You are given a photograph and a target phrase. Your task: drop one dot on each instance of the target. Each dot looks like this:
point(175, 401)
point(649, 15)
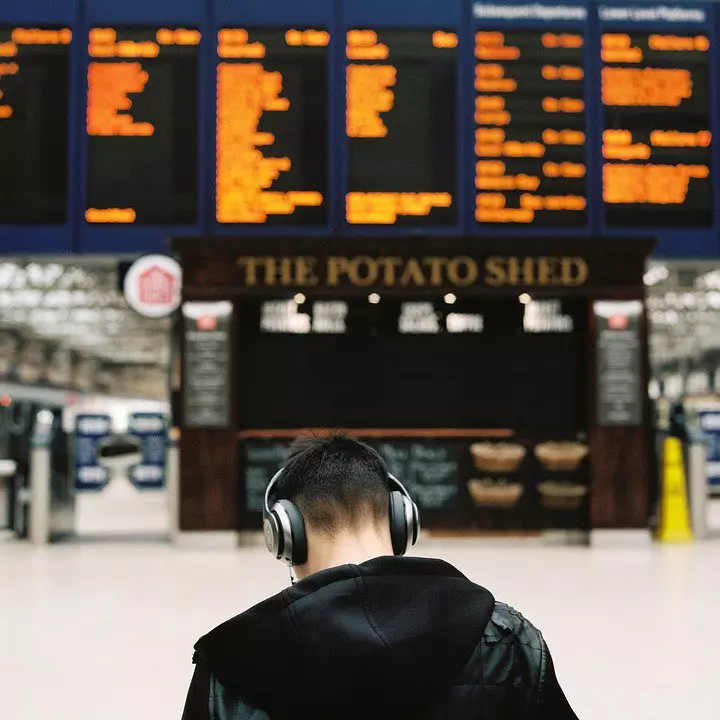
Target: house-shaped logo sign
point(156, 286)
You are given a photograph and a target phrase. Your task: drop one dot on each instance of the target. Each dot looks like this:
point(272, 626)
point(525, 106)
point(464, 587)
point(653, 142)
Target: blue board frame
point(76, 236)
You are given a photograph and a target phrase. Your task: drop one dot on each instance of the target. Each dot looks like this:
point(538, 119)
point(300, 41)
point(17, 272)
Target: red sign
point(156, 286)
point(153, 284)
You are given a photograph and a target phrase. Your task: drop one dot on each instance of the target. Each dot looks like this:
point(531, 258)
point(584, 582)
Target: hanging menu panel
point(206, 371)
point(618, 357)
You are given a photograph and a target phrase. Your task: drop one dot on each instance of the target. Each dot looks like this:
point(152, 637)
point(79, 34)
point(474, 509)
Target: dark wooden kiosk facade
point(503, 380)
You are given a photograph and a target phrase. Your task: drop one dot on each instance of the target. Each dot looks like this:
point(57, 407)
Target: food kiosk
point(503, 380)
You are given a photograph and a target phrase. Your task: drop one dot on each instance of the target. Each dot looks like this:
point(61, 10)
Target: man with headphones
point(366, 632)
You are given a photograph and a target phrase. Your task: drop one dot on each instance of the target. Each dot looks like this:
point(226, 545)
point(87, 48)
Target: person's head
point(341, 487)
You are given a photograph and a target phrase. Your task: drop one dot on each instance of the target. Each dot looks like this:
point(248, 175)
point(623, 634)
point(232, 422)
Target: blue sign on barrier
point(710, 423)
point(151, 429)
point(90, 430)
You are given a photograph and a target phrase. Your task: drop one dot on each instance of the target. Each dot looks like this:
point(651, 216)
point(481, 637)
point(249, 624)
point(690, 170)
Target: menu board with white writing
point(207, 364)
point(262, 459)
point(427, 468)
point(619, 399)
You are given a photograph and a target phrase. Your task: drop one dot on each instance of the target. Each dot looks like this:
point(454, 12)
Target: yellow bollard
point(674, 510)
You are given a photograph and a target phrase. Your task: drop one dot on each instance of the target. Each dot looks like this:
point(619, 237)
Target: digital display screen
point(530, 128)
point(272, 126)
point(34, 105)
point(142, 126)
point(401, 127)
point(657, 156)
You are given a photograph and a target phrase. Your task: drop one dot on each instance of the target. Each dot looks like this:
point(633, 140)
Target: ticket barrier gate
point(15, 419)
point(7, 482)
point(45, 503)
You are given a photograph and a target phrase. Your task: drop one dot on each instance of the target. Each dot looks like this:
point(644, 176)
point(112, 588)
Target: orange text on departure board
point(11, 48)
point(675, 43)
point(307, 38)
point(368, 90)
point(110, 85)
point(653, 184)
point(104, 43)
point(561, 40)
point(646, 87)
point(244, 174)
point(364, 45)
point(236, 43)
point(383, 208)
point(368, 96)
point(110, 215)
point(41, 36)
point(491, 46)
point(6, 111)
point(12, 68)
point(618, 48)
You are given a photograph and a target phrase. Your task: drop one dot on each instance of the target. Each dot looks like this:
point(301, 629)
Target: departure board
point(657, 157)
point(34, 102)
point(401, 129)
point(142, 126)
point(530, 128)
point(272, 126)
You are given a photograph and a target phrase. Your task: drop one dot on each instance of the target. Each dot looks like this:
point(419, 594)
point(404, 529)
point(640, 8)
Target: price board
point(142, 126)
point(34, 127)
point(401, 127)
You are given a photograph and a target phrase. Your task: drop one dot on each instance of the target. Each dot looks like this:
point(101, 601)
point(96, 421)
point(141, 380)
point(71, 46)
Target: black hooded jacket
point(391, 638)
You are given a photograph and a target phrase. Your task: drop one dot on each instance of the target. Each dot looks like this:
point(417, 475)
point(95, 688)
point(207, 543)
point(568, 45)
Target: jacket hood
point(389, 633)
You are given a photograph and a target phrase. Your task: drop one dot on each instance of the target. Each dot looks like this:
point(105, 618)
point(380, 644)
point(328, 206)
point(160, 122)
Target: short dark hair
point(336, 481)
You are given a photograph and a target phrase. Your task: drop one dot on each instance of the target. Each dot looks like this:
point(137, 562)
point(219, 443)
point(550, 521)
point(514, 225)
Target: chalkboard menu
point(618, 362)
point(427, 468)
point(492, 485)
point(206, 378)
point(262, 459)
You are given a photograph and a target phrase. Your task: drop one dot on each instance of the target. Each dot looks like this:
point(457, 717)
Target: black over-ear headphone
point(284, 527)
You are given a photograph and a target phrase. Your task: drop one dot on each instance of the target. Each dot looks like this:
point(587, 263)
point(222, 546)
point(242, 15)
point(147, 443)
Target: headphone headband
point(276, 477)
point(284, 527)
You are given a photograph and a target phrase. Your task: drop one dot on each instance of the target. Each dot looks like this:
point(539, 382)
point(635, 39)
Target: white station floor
point(92, 631)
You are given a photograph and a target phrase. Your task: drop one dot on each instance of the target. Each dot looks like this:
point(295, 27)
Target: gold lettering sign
point(364, 271)
point(535, 271)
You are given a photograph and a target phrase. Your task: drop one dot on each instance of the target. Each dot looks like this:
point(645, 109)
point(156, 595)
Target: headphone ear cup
point(294, 551)
point(415, 523)
point(398, 523)
point(273, 535)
